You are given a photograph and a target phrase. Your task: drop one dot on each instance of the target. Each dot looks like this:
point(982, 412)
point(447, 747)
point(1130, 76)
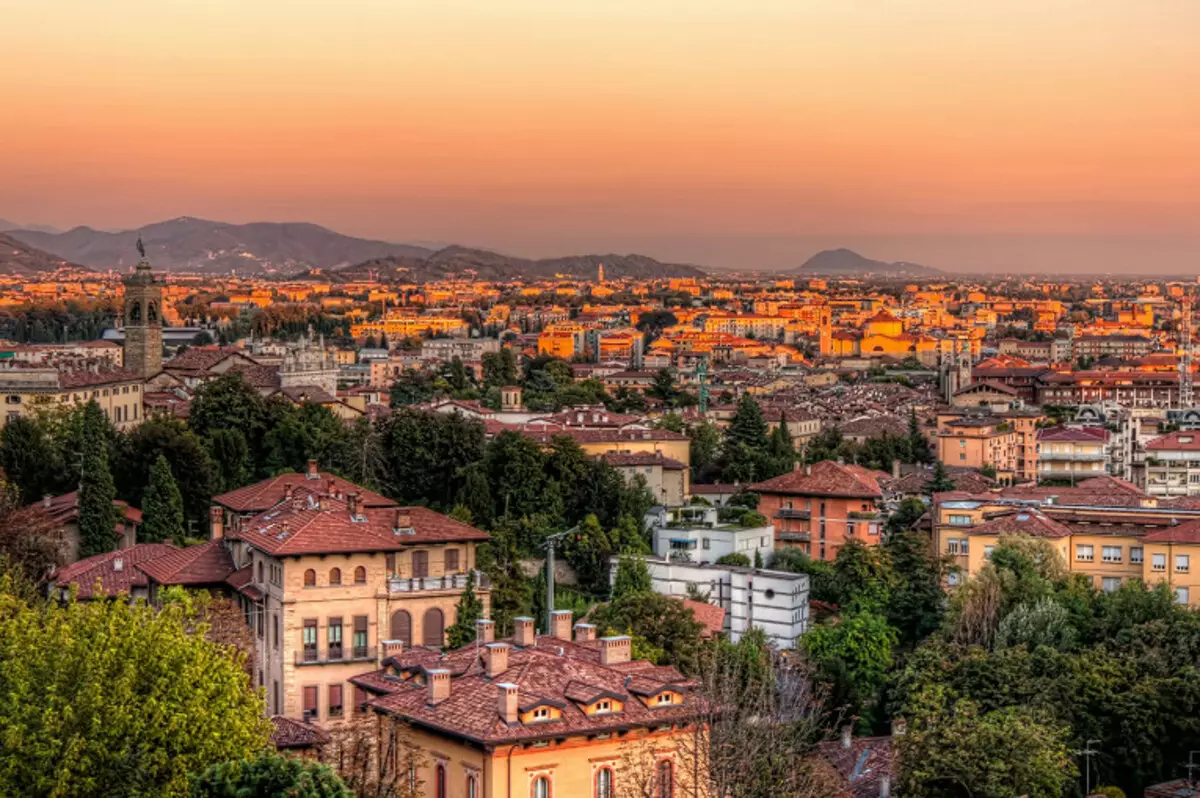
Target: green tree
point(412, 388)
point(632, 577)
point(905, 516)
point(468, 611)
point(918, 446)
point(230, 456)
point(705, 450)
point(852, 654)
point(162, 506)
point(269, 776)
point(748, 427)
point(735, 558)
point(515, 468)
point(663, 387)
point(187, 454)
point(97, 515)
point(588, 550)
point(499, 368)
point(663, 622)
point(939, 481)
point(916, 602)
point(109, 698)
point(426, 456)
point(30, 459)
point(780, 452)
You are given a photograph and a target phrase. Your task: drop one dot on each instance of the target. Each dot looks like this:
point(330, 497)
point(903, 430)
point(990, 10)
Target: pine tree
point(632, 577)
point(939, 481)
point(162, 506)
point(748, 426)
point(917, 445)
point(469, 610)
point(96, 490)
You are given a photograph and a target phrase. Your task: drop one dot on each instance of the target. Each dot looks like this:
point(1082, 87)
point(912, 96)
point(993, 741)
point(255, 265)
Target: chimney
point(507, 702)
point(885, 786)
point(560, 624)
point(287, 493)
point(403, 518)
point(523, 631)
point(899, 727)
point(329, 487)
point(485, 630)
point(216, 522)
point(585, 632)
point(119, 564)
point(352, 504)
point(615, 650)
point(808, 471)
point(495, 658)
point(313, 473)
point(438, 682)
point(47, 500)
point(896, 468)
point(841, 461)
point(391, 648)
point(847, 737)
point(796, 466)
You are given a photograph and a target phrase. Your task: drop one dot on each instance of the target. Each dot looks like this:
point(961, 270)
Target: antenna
point(1185, 353)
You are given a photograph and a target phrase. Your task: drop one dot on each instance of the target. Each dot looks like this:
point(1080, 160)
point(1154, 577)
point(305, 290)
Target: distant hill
point(7, 226)
point(206, 247)
point(485, 265)
point(18, 258)
point(835, 262)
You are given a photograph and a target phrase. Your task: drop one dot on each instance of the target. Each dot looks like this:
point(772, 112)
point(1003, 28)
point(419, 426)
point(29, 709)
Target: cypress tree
point(468, 611)
point(97, 515)
point(162, 506)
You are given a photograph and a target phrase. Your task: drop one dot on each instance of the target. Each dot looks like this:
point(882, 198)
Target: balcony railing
point(310, 656)
point(864, 515)
point(1077, 456)
point(789, 512)
point(417, 584)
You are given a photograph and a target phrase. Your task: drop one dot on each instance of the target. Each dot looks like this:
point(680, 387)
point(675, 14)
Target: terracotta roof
point(862, 765)
point(65, 509)
point(206, 564)
point(987, 385)
point(1022, 522)
point(308, 394)
point(264, 495)
point(1176, 442)
point(558, 672)
point(261, 377)
point(719, 489)
point(826, 478)
point(292, 734)
point(1073, 434)
point(964, 479)
point(1188, 532)
point(712, 616)
point(316, 523)
point(104, 567)
point(603, 435)
point(618, 460)
point(200, 359)
point(96, 376)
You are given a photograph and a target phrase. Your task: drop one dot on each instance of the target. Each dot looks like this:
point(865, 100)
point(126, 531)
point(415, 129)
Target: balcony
point(418, 584)
point(312, 656)
point(864, 515)
point(790, 512)
point(1080, 457)
point(793, 537)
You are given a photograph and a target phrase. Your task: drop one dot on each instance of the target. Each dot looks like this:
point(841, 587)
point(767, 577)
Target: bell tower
point(143, 319)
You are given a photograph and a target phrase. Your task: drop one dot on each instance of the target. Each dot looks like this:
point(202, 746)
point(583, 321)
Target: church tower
point(825, 334)
point(143, 319)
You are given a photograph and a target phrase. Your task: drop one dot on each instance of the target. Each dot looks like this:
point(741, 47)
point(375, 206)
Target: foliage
point(796, 561)
point(852, 654)
point(917, 444)
point(939, 481)
point(96, 490)
point(31, 461)
point(162, 506)
point(186, 455)
point(663, 622)
point(916, 601)
point(1044, 622)
point(108, 698)
point(31, 541)
point(468, 611)
point(735, 558)
point(906, 515)
point(632, 577)
point(268, 776)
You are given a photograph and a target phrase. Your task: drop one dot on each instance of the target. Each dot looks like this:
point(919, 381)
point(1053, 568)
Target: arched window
point(472, 787)
point(604, 783)
point(439, 781)
point(434, 632)
point(151, 312)
point(135, 313)
point(335, 576)
point(360, 575)
point(310, 578)
point(541, 787)
point(402, 627)
point(666, 779)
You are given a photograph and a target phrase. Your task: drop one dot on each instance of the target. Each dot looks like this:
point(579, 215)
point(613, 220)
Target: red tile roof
point(264, 495)
point(623, 460)
point(206, 564)
point(314, 523)
point(1176, 441)
point(1073, 434)
point(104, 568)
point(1023, 522)
point(712, 616)
point(292, 734)
point(1187, 532)
point(557, 672)
point(826, 478)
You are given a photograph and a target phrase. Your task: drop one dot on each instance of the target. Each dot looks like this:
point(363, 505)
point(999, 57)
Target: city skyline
point(997, 136)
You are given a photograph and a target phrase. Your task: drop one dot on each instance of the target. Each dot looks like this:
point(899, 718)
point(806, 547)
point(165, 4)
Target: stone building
point(143, 320)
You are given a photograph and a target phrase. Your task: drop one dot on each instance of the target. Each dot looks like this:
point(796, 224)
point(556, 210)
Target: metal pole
point(549, 585)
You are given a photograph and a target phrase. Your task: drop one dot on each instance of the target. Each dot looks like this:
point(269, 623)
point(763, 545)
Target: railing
point(417, 584)
point(334, 656)
point(864, 515)
point(789, 512)
point(1080, 456)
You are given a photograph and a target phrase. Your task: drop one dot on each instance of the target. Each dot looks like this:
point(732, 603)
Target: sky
point(1053, 135)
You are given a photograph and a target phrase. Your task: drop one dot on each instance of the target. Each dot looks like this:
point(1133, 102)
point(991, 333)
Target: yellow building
point(975, 442)
point(116, 390)
point(546, 716)
point(397, 326)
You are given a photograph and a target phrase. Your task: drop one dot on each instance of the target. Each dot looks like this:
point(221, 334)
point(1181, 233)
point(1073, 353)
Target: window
point(964, 546)
point(420, 564)
point(390, 564)
point(472, 787)
point(451, 561)
point(439, 781)
point(1182, 563)
point(335, 700)
point(1181, 595)
point(360, 575)
point(604, 783)
point(275, 630)
point(952, 546)
point(402, 626)
point(335, 576)
point(1110, 553)
point(665, 780)
point(1084, 552)
point(260, 572)
point(360, 636)
point(1135, 555)
point(1110, 584)
point(960, 520)
point(603, 706)
point(434, 630)
point(360, 699)
point(334, 635)
point(704, 542)
point(310, 578)
point(987, 552)
point(1158, 562)
point(541, 713)
point(310, 701)
point(952, 578)
point(310, 640)
point(541, 787)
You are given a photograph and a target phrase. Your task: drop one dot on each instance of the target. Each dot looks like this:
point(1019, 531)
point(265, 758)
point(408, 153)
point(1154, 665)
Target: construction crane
point(702, 377)
point(1186, 393)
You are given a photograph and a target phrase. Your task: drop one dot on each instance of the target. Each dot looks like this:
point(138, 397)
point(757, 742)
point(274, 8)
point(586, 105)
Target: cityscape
point(575, 458)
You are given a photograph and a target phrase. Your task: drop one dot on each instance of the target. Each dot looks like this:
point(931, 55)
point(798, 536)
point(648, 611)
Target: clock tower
point(143, 319)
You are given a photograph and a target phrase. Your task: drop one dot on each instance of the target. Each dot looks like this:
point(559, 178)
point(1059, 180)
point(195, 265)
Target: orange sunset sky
point(964, 134)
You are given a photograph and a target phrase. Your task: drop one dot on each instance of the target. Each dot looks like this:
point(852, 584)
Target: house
point(668, 479)
point(1170, 464)
point(1072, 453)
point(537, 715)
point(696, 534)
point(63, 512)
point(110, 574)
point(818, 507)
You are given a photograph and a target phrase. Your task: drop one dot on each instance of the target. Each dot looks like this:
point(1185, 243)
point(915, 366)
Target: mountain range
point(18, 258)
point(266, 249)
point(837, 262)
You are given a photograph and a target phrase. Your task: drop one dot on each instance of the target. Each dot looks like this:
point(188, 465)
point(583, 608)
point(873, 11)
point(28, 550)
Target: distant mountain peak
point(842, 261)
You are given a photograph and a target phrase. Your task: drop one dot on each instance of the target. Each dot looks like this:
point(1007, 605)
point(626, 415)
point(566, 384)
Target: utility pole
point(551, 542)
point(1087, 753)
point(1192, 766)
point(1185, 354)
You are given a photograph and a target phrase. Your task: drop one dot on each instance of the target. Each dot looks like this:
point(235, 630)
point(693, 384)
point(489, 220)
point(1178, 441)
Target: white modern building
point(695, 533)
point(774, 601)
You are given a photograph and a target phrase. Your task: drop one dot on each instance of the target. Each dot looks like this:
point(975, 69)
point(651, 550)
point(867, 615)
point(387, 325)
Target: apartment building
point(539, 716)
point(978, 441)
point(817, 508)
point(117, 391)
point(1169, 465)
point(695, 533)
point(1072, 453)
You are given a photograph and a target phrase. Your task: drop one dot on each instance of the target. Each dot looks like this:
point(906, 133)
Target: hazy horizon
point(1053, 137)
